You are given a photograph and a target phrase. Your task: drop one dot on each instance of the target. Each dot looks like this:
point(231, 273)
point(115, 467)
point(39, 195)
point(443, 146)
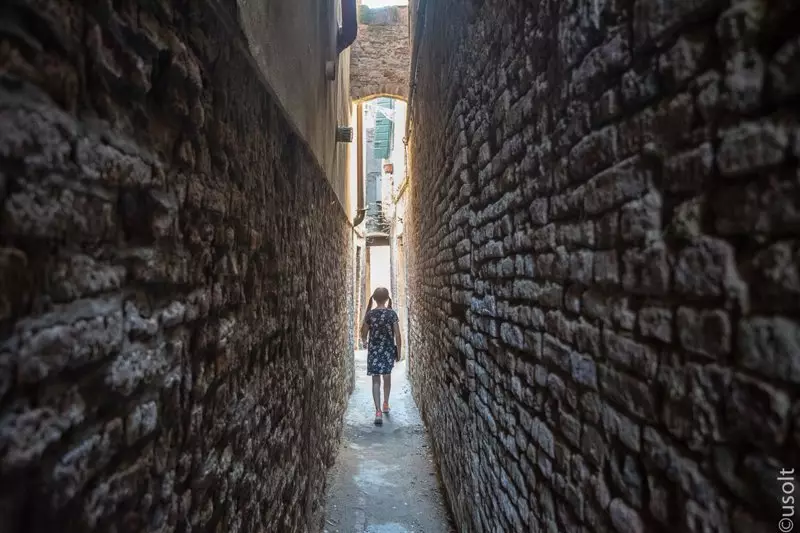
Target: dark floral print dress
point(381, 349)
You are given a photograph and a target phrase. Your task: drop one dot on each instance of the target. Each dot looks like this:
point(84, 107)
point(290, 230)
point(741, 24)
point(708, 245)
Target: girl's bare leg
point(387, 388)
point(376, 391)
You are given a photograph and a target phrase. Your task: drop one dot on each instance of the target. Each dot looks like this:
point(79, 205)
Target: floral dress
point(381, 350)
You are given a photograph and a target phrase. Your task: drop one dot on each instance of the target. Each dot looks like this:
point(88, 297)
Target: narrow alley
point(579, 221)
point(384, 480)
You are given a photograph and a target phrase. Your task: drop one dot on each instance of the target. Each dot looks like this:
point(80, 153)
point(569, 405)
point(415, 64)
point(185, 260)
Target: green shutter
point(384, 130)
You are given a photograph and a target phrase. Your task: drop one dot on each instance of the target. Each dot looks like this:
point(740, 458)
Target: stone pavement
point(384, 480)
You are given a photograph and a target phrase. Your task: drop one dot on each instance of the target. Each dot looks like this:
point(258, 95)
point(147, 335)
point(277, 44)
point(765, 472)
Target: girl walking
point(382, 326)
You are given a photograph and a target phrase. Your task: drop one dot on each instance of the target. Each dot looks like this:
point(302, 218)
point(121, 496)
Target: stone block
point(706, 332)
point(640, 220)
point(690, 170)
point(639, 87)
point(27, 432)
point(757, 412)
point(556, 353)
point(616, 425)
point(584, 370)
point(751, 147)
point(624, 182)
point(624, 518)
point(685, 59)
point(606, 267)
point(627, 477)
point(656, 323)
point(593, 153)
point(71, 337)
point(632, 396)
point(653, 19)
point(607, 230)
point(647, 270)
point(637, 358)
point(84, 461)
point(776, 277)
point(590, 407)
point(693, 403)
point(593, 447)
point(570, 428)
point(580, 267)
point(784, 80)
point(758, 208)
point(588, 339)
point(705, 268)
point(770, 346)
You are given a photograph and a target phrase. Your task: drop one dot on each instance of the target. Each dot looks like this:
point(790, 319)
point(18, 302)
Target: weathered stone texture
point(603, 243)
point(174, 280)
point(380, 58)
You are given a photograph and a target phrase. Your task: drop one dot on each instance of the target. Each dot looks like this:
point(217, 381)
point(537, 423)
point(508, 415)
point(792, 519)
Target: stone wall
point(604, 287)
point(175, 349)
point(380, 58)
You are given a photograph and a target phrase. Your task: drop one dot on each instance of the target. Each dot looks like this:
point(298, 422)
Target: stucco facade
point(291, 41)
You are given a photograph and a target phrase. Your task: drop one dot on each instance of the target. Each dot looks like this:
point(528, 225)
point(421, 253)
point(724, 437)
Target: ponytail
point(369, 305)
point(390, 302)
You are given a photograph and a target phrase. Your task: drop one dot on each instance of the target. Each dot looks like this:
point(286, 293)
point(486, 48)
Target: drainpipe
point(360, 210)
point(359, 217)
point(349, 30)
point(345, 36)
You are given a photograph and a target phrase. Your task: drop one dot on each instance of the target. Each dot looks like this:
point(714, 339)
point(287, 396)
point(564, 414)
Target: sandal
point(378, 418)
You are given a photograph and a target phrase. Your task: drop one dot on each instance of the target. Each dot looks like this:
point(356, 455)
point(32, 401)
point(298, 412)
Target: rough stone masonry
point(379, 60)
point(174, 279)
point(605, 238)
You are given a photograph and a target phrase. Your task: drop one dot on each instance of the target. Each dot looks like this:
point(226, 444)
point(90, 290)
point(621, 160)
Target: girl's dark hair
point(380, 295)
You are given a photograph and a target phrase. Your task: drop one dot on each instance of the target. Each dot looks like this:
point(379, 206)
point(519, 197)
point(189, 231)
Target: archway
point(371, 93)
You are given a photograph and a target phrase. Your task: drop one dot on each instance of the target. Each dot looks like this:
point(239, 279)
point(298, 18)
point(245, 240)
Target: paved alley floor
point(384, 480)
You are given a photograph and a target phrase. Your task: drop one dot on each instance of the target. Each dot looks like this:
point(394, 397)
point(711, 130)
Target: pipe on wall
point(349, 30)
point(345, 36)
point(360, 209)
point(360, 215)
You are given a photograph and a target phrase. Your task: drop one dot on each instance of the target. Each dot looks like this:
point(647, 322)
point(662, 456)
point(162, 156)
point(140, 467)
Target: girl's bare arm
point(398, 340)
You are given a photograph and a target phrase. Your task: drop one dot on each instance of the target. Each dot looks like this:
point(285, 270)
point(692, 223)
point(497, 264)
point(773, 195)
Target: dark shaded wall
point(604, 287)
point(175, 343)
